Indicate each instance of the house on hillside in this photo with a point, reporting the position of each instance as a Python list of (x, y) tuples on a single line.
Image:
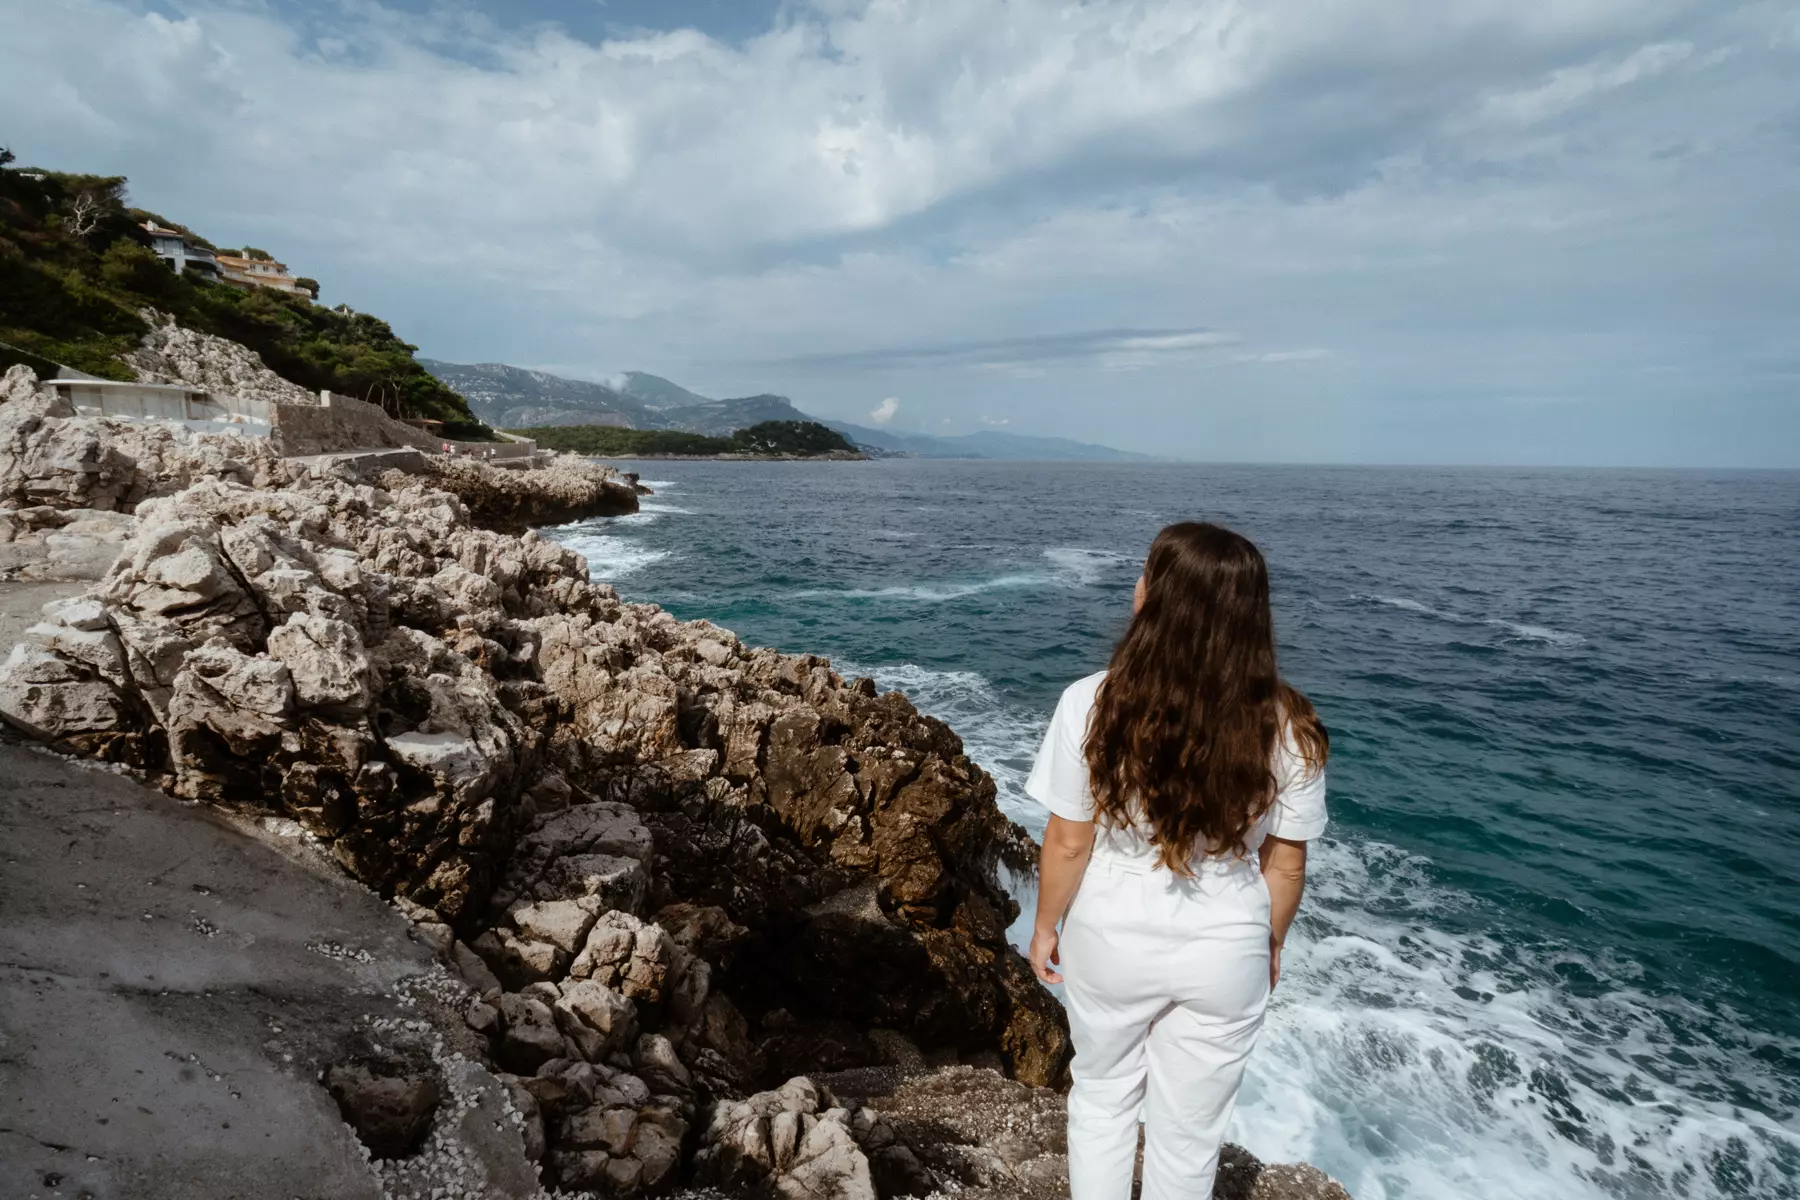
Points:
[(260, 272), (180, 251)]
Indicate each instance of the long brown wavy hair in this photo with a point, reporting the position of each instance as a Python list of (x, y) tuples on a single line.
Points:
[(1183, 737)]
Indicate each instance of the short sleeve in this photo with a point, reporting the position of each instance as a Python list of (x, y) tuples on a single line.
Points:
[(1059, 777), (1299, 813)]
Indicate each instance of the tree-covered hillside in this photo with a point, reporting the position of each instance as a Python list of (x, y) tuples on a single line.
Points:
[(799, 439), (76, 267)]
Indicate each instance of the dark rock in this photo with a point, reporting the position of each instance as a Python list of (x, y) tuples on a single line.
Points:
[(389, 1102)]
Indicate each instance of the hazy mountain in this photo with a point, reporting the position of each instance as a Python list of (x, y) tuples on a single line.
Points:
[(998, 443), (657, 392), (515, 398), (720, 417), (989, 443)]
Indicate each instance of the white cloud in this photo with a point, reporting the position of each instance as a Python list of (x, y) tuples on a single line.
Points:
[(884, 412), (1463, 192)]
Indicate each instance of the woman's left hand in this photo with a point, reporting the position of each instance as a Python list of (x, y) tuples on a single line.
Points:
[(1044, 953)]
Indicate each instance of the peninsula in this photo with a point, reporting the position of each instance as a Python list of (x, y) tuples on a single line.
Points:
[(766, 440)]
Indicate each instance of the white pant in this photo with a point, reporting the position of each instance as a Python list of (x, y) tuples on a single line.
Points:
[(1165, 985)]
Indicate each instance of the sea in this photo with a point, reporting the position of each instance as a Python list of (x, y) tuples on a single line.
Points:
[(1550, 946)]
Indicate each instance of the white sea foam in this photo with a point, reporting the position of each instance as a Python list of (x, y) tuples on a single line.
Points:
[(1415, 1064), (1408, 605), (661, 485), (1082, 565), (1519, 631), (934, 593), (1070, 566), (608, 555), (1536, 633)]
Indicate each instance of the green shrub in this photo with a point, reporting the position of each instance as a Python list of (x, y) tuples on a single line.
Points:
[(75, 300)]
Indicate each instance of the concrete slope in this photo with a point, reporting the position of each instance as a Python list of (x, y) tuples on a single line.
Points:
[(169, 991)]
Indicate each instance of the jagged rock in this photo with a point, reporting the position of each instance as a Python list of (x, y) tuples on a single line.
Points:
[(49, 696), (60, 544), (530, 1038), (595, 1020), (794, 1141), (389, 1101), (564, 488), (628, 956), (619, 1150), (51, 457), (327, 662), (519, 962), (169, 353), (594, 852)]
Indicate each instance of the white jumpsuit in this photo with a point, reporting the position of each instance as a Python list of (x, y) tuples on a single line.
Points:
[(1165, 979)]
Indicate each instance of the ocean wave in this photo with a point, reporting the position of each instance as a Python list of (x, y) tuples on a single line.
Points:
[(1536, 633), (609, 556), (1086, 566), (1519, 631), (1486, 1076), (1070, 566), (932, 593), (661, 485), (650, 506)]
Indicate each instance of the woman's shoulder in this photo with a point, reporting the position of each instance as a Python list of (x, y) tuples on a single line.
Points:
[(1076, 706), (1083, 690)]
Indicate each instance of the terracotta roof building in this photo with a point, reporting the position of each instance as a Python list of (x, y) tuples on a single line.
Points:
[(259, 272)]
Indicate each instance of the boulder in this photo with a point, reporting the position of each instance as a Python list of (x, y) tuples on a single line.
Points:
[(627, 955), (793, 1142), (388, 1101), (594, 1019), (530, 1037)]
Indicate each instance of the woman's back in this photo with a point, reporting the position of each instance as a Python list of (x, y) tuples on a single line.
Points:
[(1059, 781)]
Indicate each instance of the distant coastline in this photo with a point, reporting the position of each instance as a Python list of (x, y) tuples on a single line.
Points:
[(763, 441)]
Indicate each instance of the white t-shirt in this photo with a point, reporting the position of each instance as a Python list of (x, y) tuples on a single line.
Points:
[(1059, 781)]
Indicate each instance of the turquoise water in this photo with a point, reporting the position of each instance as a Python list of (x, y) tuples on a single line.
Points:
[(1551, 946)]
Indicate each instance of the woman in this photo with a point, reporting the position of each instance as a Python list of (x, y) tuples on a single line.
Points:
[(1183, 784)]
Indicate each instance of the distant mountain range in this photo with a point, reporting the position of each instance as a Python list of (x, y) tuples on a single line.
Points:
[(516, 398)]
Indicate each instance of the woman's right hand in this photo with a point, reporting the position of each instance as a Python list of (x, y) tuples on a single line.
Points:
[(1274, 963), (1043, 954)]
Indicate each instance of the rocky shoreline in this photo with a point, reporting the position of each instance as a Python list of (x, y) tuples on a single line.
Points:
[(692, 900)]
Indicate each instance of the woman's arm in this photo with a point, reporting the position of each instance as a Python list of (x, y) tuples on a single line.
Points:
[(1284, 870), (1067, 845)]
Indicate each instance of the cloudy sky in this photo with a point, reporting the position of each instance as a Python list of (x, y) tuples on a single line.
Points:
[(1561, 231)]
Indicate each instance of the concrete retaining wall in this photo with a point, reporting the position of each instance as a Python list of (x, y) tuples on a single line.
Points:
[(341, 423), (160, 402), (335, 425)]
